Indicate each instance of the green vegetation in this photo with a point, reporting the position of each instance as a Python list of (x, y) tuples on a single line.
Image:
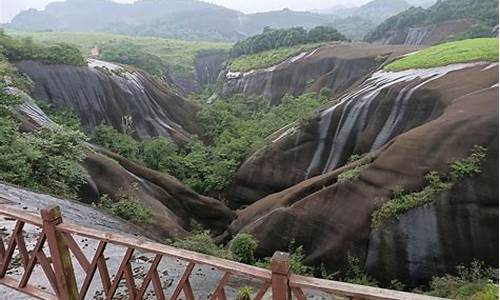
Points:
[(473, 282), (177, 55), (279, 38), (202, 242), (484, 49), (127, 208), (16, 49), (245, 293), (46, 160), (243, 247), (356, 274), (354, 173), (267, 58), (235, 127), (402, 201), (484, 11)]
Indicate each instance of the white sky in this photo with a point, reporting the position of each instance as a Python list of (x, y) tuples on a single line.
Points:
[(9, 8)]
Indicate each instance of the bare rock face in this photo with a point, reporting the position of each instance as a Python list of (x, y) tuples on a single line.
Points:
[(106, 93), (427, 35), (441, 116), (363, 120), (335, 66)]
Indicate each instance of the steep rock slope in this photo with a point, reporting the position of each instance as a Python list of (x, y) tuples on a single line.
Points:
[(173, 205), (451, 113), (335, 66), (426, 35), (128, 100), (382, 107)]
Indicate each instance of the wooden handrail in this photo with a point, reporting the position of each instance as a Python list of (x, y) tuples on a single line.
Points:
[(61, 274)]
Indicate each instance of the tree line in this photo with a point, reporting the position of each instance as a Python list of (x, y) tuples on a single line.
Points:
[(272, 38)]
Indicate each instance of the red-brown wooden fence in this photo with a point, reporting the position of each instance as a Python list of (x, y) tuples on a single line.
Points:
[(57, 266)]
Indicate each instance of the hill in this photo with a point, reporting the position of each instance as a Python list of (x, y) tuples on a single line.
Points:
[(177, 55), (447, 18), (191, 19)]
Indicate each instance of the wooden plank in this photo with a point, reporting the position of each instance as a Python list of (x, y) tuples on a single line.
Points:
[(188, 290), (28, 289), (91, 271), (149, 276), (10, 248), (20, 215), (157, 248), (119, 273), (262, 291), (75, 248), (129, 279), (352, 290), (59, 252), (32, 261), (182, 281), (299, 294), (219, 290), (47, 269), (21, 247), (157, 287)]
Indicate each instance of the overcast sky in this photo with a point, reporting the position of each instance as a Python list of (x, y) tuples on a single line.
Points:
[(9, 8)]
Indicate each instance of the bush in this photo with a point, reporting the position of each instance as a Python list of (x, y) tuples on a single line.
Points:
[(46, 160), (120, 143), (354, 173), (127, 208), (243, 247), (276, 38), (16, 49), (355, 273), (468, 166), (128, 53), (245, 293), (472, 282), (202, 243)]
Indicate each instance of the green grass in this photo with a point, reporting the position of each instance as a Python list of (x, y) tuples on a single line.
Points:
[(177, 54), (267, 58), (483, 49)]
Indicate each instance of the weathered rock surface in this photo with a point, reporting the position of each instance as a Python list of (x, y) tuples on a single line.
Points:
[(382, 107), (106, 93), (441, 114), (427, 35), (173, 205), (335, 66)]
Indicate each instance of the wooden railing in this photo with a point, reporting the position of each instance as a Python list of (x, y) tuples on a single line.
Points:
[(56, 251)]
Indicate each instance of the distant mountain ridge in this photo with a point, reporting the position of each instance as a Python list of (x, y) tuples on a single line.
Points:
[(186, 19)]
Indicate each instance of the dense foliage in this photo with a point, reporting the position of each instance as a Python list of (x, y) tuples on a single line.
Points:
[(47, 160), (484, 11), (235, 127), (482, 49), (128, 208), (130, 54), (16, 49), (277, 38), (178, 56)]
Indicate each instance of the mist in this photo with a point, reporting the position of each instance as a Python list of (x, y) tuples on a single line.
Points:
[(9, 8)]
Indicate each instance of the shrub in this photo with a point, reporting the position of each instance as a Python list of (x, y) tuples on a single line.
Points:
[(354, 173), (401, 201), (127, 208), (472, 282), (115, 141), (244, 293), (243, 247), (202, 243), (468, 166), (355, 273)]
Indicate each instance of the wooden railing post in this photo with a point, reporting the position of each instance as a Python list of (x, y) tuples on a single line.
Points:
[(67, 288), (280, 267)]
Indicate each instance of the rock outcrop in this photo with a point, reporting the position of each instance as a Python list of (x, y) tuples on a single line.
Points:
[(382, 107), (336, 66), (105, 93), (427, 35), (412, 123), (172, 204)]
